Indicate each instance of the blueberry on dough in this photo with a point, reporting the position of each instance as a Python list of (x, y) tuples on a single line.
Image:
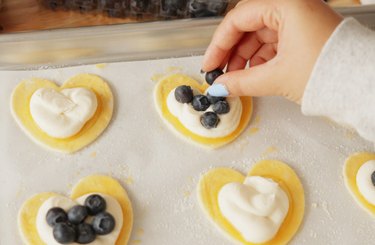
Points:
[(77, 214), (183, 94), (214, 99), (85, 233), (212, 75), (373, 178), (103, 223), (221, 107), (95, 204), (210, 120), (56, 215), (64, 233), (200, 102)]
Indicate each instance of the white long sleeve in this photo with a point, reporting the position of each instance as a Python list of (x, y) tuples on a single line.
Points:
[(342, 84)]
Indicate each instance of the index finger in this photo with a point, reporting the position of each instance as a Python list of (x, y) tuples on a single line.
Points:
[(249, 16)]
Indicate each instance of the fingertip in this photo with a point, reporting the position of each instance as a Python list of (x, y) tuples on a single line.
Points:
[(208, 63), (218, 90)]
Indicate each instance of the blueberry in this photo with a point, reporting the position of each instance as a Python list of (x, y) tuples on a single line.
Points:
[(139, 6), (217, 7), (81, 5), (77, 214), (212, 75), (103, 223), (173, 8), (214, 99), (204, 8), (373, 178), (210, 120), (183, 94), (95, 204), (196, 7), (54, 4), (114, 8), (200, 103), (221, 107), (203, 13), (56, 215), (64, 233), (85, 233)]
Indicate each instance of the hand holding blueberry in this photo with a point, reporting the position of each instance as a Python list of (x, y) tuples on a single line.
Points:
[(280, 39)]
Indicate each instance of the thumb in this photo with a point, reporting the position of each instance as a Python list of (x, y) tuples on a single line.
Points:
[(255, 81)]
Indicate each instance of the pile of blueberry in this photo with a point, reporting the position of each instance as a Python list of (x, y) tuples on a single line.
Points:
[(70, 226), (200, 102), (156, 9)]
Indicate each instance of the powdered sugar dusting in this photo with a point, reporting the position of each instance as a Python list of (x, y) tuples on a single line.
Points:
[(160, 171)]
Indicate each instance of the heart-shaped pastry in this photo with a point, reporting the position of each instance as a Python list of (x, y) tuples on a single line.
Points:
[(359, 176), (169, 83), (109, 188), (211, 191), (65, 118)]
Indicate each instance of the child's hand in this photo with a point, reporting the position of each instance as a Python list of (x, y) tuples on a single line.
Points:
[(282, 40)]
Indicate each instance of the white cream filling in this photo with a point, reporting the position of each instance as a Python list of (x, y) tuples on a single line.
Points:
[(256, 208), (46, 232), (364, 183), (190, 118), (62, 114)]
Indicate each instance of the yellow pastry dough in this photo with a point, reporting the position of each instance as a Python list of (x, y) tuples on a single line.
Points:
[(167, 84), (91, 184), (90, 131), (351, 167), (211, 183)]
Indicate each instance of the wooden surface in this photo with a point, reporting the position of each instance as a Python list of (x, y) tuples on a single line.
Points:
[(29, 15)]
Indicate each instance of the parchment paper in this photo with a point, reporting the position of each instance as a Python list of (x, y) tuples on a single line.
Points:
[(160, 171)]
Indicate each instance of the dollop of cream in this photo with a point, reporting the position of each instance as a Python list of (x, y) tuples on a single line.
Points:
[(62, 114), (46, 232), (256, 208), (190, 118), (364, 183)]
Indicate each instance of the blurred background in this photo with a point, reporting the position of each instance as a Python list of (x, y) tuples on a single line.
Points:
[(54, 33)]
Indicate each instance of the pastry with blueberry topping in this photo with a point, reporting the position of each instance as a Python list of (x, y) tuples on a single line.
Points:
[(97, 212), (184, 104)]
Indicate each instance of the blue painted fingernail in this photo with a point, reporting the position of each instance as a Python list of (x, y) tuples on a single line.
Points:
[(218, 90)]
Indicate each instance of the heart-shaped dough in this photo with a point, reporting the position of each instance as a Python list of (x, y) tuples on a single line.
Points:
[(211, 183), (46, 232), (105, 185), (88, 133), (161, 92), (351, 167), (62, 114)]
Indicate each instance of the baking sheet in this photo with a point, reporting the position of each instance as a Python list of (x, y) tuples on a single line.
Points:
[(160, 171)]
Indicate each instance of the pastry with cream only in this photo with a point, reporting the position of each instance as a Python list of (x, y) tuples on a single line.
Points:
[(65, 118), (188, 110), (265, 207), (359, 176), (98, 212)]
